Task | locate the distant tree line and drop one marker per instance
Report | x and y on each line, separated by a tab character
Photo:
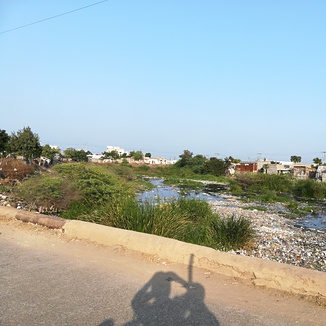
200	164
27	144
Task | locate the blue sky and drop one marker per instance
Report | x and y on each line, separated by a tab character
217	78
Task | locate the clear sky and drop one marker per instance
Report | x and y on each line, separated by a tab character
218	78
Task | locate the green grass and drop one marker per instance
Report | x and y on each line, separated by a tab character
191	221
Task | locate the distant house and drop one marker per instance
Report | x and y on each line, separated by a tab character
156	160
302	171
321	173
118	149
279	167
95	158
246	166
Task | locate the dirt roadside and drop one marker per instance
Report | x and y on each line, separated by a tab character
225	294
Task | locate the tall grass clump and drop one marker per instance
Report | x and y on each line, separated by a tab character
232	233
190	221
126	213
199	216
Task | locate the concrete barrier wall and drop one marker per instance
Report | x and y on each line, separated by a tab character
297	280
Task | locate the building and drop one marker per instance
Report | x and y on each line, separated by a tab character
321	173
303	171
156	160
278	167
246	166
118	149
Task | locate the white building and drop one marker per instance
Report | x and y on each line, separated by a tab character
118	149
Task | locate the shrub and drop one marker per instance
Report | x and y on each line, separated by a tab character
232	233
309	189
94	183
14	169
47	191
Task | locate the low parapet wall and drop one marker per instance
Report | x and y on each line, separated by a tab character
291	279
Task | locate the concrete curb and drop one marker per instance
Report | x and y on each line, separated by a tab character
287	278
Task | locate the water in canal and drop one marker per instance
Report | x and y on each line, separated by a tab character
162	192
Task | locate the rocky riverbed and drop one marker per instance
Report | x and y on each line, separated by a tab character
277	238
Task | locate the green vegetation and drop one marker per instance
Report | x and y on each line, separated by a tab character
270	188
233	233
76	155
309	189
185	220
200	164
25	143
106	195
4	142
71	188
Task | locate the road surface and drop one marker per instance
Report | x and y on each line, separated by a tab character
48	279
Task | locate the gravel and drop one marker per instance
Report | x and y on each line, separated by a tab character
277	238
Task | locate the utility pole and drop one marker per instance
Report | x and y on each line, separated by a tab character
323	157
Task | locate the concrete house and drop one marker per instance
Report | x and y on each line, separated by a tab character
156	160
321	173
279	167
118	149
302	171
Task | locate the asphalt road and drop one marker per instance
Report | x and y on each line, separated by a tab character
47	279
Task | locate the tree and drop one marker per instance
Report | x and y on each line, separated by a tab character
114	155
317	161
265	167
4	142
295	159
50	152
76	155
215	166
148	155
25	143
197	163
138	155
232	160
185	159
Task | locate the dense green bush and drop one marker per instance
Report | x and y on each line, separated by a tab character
262	187
232	233
48	192
310	189
71	189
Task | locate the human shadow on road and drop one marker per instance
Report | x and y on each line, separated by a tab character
156	303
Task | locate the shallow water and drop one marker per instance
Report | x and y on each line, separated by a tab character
313	222
162	192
